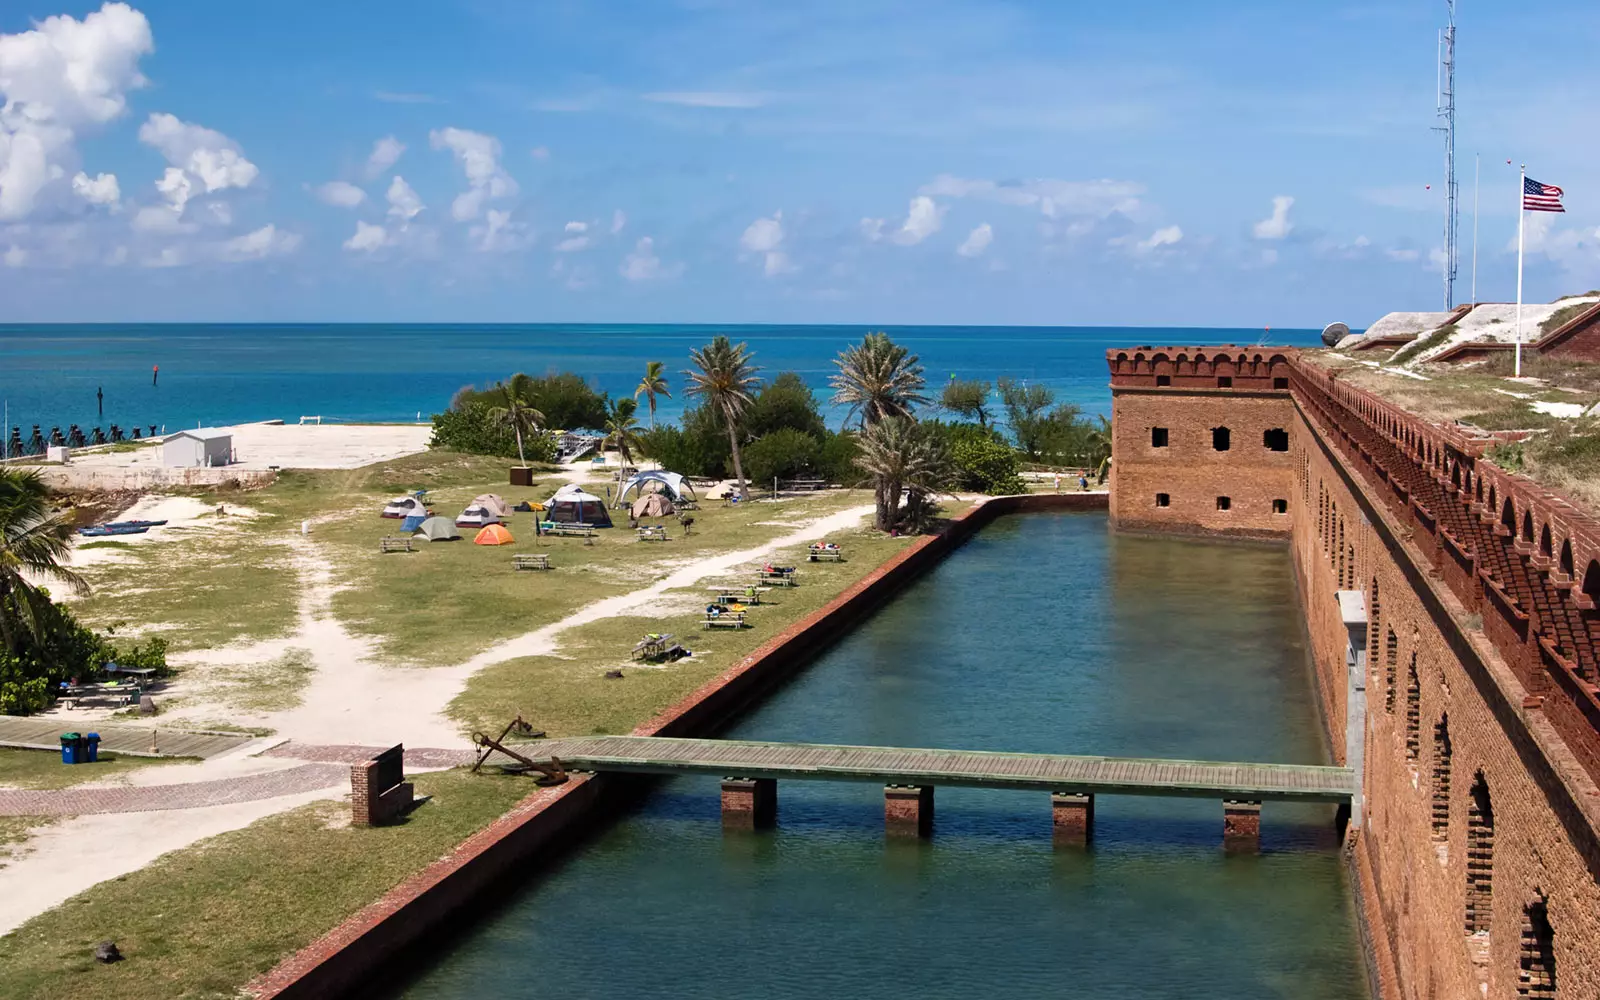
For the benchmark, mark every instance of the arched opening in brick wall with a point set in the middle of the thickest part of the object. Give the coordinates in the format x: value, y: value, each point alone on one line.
x: 1374, y: 623
x: 1536, y: 972
x: 1391, y: 662
x: 1477, y: 489
x: 1491, y: 503
x: 1508, y: 518
x: 1480, y: 857
x: 1545, y: 548
x: 1441, y: 779
x: 1413, y: 711
x: 1591, y: 580
x: 1565, y: 562
x: 1350, y: 568
x: 1527, y: 526
x: 1221, y: 438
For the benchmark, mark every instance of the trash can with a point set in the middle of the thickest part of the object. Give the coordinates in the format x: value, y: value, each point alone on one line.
x: 92, y: 741
x: 69, y: 747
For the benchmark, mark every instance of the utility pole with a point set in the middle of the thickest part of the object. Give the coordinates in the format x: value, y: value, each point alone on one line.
x: 1446, y: 111
x: 1474, y: 228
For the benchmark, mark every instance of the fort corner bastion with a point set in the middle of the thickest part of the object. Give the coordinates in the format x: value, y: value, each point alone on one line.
x: 1451, y: 608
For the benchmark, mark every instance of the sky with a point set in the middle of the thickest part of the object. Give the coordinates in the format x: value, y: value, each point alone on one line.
x: 1141, y: 163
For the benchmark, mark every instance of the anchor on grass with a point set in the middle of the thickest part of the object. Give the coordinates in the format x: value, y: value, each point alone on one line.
x: 549, y: 774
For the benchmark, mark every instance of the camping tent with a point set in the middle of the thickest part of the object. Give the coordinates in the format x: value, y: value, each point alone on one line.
x: 405, y: 507
x: 494, y: 534
x: 438, y: 529
x: 653, y: 505
x: 476, y: 516
x: 675, y: 486
x: 573, y: 506
x: 491, y: 503
x: 412, y: 522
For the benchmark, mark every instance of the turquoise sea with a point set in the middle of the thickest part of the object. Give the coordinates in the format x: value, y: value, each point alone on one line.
x: 222, y: 374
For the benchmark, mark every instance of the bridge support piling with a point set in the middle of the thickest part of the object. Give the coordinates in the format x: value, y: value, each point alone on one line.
x: 749, y: 803
x: 1071, y: 819
x: 908, y: 810
x: 1241, y: 826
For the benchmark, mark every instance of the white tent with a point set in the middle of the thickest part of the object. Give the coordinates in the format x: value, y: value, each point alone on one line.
x: 405, y: 507
x: 674, y: 485
x: 571, y: 505
x: 492, y: 503
x: 476, y: 516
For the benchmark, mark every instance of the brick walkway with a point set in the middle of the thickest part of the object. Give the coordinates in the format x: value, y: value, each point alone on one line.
x: 332, y: 754
x: 152, y: 798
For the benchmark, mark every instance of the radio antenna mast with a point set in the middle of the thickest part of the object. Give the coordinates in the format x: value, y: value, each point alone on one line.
x: 1446, y: 111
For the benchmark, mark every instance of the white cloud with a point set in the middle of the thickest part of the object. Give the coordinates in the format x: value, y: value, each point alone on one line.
x: 385, y: 154
x: 55, y: 80
x: 764, y: 237
x: 202, y: 154
x: 403, y: 201
x: 1164, y: 237
x: 576, y: 227
x: 1401, y: 254
x: 268, y: 241
x: 340, y: 193
x: 479, y: 157
x: 499, y: 234
x: 100, y: 190
x: 175, y: 187
x: 1053, y: 198
x: 540, y: 152
x: 368, y: 237
x: 1277, y: 225
x: 924, y: 216
x: 618, y: 220
x: 15, y: 256
x: 977, y: 241
x: 708, y: 98
x: 643, y: 264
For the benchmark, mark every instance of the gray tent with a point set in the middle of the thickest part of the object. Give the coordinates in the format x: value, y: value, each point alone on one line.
x: 438, y: 529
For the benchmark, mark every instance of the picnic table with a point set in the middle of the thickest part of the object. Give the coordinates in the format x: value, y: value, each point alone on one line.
x: 776, y: 578
x: 124, y: 694
x: 806, y: 484
x: 652, y: 532
x: 731, y: 595
x: 395, y: 543
x: 575, y: 529
x: 530, y: 560
x: 825, y: 553
x: 653, y: 646
x: 727, y: 619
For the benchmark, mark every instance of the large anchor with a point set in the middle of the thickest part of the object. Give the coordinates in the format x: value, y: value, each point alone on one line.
x: 549, y: 774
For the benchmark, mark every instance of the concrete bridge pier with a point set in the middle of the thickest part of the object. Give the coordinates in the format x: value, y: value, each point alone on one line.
x: 749, y: 803
x: 908, y: 810
x: 1071, y: 818
x: 1241, y: 826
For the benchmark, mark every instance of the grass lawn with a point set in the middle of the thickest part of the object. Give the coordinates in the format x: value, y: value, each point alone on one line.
x: 21, y: 768
x: 203, y: 921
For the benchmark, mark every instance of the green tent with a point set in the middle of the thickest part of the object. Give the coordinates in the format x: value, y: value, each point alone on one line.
x: 438, y: 529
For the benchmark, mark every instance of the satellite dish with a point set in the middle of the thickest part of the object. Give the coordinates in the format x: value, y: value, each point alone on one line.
x: 1334, y: 332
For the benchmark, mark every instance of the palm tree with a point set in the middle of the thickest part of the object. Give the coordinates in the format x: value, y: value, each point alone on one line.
x: 652, y: 385
x: 515, y: 409
x: 1098, y: 441
x: 878, y: 378
x: 724, y: 376
x: 902, y: 458
x: 622, y: 430
x: 32, y: 541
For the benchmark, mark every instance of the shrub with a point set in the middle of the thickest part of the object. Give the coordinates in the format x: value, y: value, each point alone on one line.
x: 986, y: 465
x: 785, y: 402
x: 783, y: 454
x: 66, y: 650
x: 468, y: 428
x: 836, y: 459
x: 565, y: 399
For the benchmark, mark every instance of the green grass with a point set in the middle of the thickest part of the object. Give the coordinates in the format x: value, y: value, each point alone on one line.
x: 1512, y: 417
x: 203, y: 921
x: 1423, y: 344
x: 1558, y: 318
x: 21, y: 768
x: 265, y: 687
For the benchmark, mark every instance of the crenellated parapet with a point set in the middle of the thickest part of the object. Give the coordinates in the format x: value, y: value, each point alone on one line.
x: 1227, y: 367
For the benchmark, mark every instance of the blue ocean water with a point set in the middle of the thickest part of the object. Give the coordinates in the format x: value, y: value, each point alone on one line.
x: 222, y: 374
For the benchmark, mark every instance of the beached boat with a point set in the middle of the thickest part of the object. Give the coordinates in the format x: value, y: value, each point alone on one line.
x: 102, y: 530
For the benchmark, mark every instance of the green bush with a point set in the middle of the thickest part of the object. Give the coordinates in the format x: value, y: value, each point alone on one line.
x: 986, y: 465
x: 699, y: 448
x: 565, y: 399
x: 783, y: 454
x: 65, y: 650
x: 467, y: 427
x: 785, y: 402
x: 836, y: 459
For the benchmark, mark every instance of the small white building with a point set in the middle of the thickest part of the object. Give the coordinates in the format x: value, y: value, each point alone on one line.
x: 199, y: 448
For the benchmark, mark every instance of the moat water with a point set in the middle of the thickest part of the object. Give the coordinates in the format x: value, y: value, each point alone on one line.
x: 1044, y: 633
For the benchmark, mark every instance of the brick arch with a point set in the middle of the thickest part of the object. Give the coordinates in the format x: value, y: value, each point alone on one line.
x: 1591, y: 580
x: 1527, y: 525
x: 1536, y: 956
x: 1442, y: 753
x: 1565, y: 561
x: 1508, y: 517
x: 1545, y: 548
x: 1480, y: 857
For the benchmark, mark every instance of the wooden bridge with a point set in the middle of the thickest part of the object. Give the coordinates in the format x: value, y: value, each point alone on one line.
x: 749, y: 797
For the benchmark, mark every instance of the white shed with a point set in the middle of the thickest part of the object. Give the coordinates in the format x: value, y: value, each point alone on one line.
x: 203, y: 446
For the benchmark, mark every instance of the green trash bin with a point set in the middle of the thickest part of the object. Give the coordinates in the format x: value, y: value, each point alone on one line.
x: 70, y: 744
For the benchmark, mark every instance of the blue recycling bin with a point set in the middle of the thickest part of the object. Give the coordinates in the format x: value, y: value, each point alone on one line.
x: 92, y: 742
x: 70, y: 742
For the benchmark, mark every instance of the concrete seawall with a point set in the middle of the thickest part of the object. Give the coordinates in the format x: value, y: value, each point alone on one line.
x: 362, y: 950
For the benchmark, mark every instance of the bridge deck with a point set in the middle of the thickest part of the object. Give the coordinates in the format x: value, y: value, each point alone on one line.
x: 897, y: 765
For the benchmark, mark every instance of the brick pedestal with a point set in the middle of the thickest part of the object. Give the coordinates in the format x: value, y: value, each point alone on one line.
x: 378, y: 794
x: 908, y: 810
x: 1071, y: 818
x: 1241, y: 827
x: 749, y: 803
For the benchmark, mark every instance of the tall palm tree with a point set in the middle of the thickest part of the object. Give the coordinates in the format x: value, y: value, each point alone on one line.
x: 622, y: 429
x: 32, y: 541
x: 878, y: 379
x: 652, y: 385
x: 514, y: 409
x: 902, y: 458
x: 723, y: 376
x: 1099, y: 445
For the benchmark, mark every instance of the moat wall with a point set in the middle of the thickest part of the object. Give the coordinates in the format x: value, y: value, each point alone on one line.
x: 1477, y: 857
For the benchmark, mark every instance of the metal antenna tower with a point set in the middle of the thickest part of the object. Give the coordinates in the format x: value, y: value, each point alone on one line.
x: 1446, y: 110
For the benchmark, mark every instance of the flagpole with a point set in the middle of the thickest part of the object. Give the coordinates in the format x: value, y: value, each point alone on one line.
x: 1474, y: 229
x: 1521, y: 187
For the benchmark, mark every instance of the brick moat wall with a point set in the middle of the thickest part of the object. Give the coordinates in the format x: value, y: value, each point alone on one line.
x: 1476, y: 864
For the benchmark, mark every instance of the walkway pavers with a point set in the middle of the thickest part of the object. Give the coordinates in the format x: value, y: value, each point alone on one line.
x: 351, y: 754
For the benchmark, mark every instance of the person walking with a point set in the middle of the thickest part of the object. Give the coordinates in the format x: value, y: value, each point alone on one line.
x: 1058, y: 482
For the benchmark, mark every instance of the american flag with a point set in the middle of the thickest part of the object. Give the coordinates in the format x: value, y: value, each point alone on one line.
x: 1538, y: 197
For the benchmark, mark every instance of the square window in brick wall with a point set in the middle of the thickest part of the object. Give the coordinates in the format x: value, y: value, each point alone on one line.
x: 1163, y: 380
x: 1280, y: 506
x: 1158, y: 437
x: 1276, y: 439
x: 1163, y: 500
x: 1221, y: 438
x: 1224, y: 381
x: 1224, y: 503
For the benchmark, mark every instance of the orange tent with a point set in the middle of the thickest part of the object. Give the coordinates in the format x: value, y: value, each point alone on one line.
x: 494, y: 534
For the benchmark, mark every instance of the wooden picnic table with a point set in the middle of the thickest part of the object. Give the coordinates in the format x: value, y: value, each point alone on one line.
x: 395, y: 543
x: 805, y: 484
x: 728, y: 619
x: 776, y: 578
x: 652, y: 532
x: 125, y: 694
x: 575, y: 529
x: 825, y: 555
x: 530, y: 560
x: 733, y: 595
x: 653, y: 645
